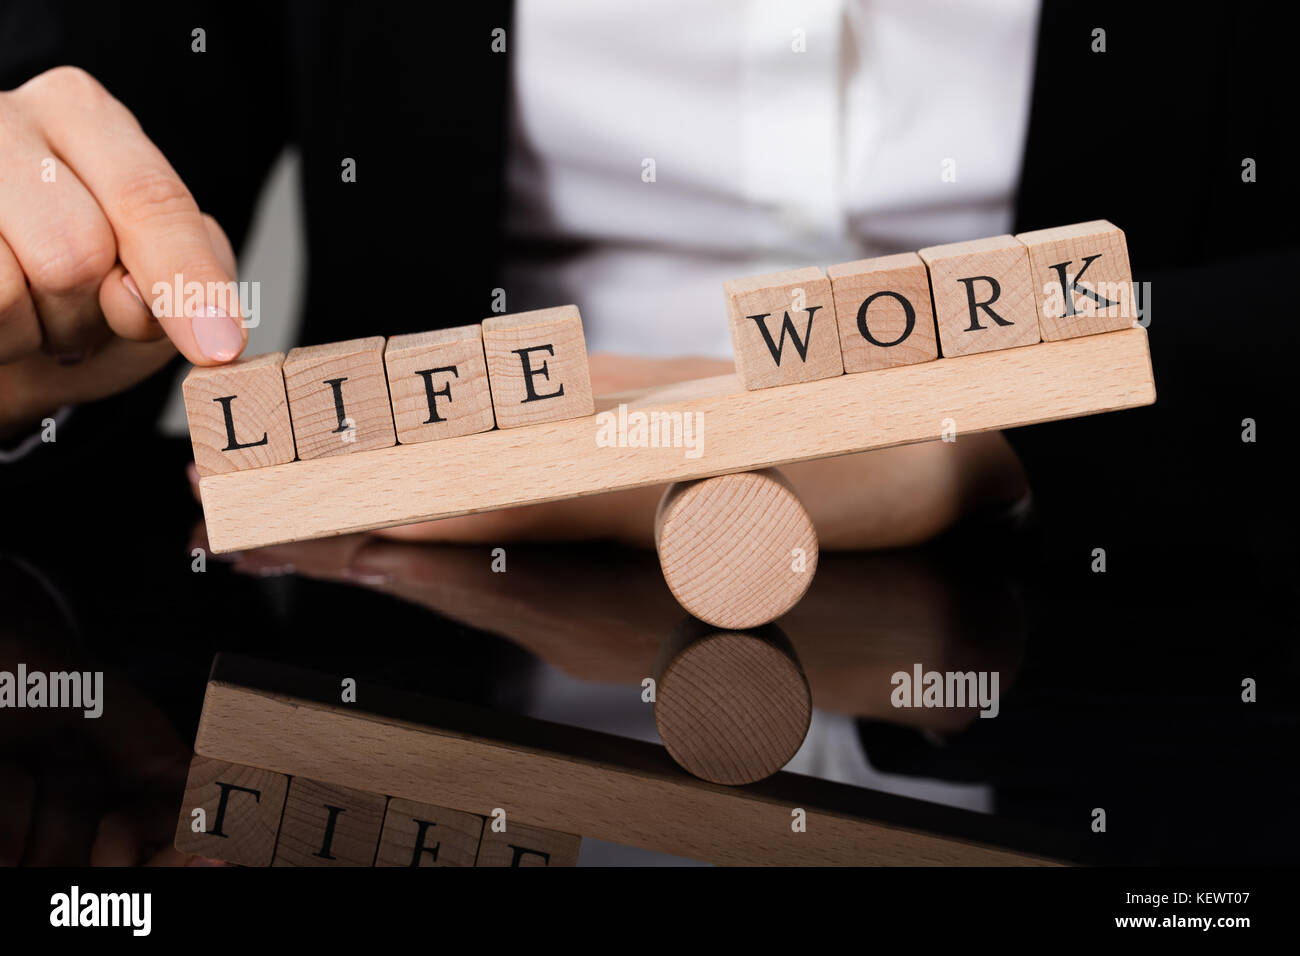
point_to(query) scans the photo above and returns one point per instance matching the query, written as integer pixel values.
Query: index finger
(161, 236)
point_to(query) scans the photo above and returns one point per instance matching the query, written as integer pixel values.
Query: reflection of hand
(600, 613)
(77, 791)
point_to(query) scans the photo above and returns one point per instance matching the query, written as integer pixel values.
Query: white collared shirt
(689, 143)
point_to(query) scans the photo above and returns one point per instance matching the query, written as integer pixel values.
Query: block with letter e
(537, 366)
(239, 415)
(1082, 279)
(783, 328)
(984, 298)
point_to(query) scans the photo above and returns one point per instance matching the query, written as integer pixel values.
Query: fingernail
(369, 578)
(217, 334)
(252, 567)
(133, 288)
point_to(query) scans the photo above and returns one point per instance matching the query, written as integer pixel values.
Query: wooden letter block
(984, 298)
(438, 384)
(537, 367)
(527, 846)
(418, 834)
(328, 825)
(783, 328)
(882, 308)
(241, 808)
(1081, 276)
(338, 398)
(238, 414)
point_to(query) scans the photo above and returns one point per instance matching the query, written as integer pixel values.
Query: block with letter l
(239, 415)
(240, 815)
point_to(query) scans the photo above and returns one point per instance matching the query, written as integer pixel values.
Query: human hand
(91, 217)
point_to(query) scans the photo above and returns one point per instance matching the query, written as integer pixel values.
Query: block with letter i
(238, 415)
(1082, 281)
(519, 845)
(328, 825)
(882, 308)
(419, 834)
(537, 367)
(984, 298)
(338, 398)
(231, 813)
(783, 328)
(438, 383)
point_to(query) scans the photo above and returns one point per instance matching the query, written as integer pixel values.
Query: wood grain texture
(744, 430)
(1100, 291)
(737, 551)
(969, 280)
(329, 825)
(242, 808)
(732, 707)
(783, 328)
(883, 311)
(521, 846)
(574, 781)
(252, 390)
(367, 415)
(421, 834)
(537, 366)
(438, 384)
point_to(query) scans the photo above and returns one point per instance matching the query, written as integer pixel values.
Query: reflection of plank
(576, 781)
(742, 430)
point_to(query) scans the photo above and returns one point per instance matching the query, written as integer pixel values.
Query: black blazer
(1150, 134)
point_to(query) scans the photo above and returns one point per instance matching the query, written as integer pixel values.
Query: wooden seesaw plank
(741, 431)
(582, 782)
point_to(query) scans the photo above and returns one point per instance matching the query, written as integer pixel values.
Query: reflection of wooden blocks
(537, 367)
(418, 834)
(238, 415)
(329, 825)
(438, 384)
(1089, 261)
(882, 308)
(338, 398)
(783, 328)
(984, 298)
(527, 846)
(732, 707)
(241, 808)
(567, 780)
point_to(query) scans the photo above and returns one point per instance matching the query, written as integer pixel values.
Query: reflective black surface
(1120, 691)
